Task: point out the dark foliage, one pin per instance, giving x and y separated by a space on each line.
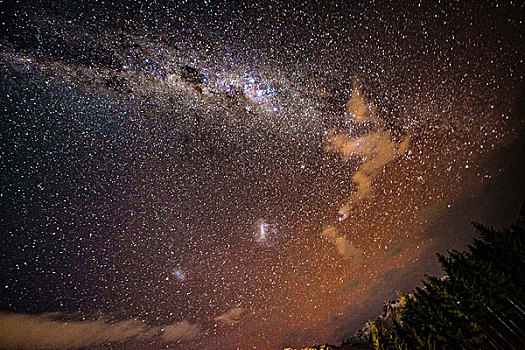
479 304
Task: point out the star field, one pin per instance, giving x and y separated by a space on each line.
241 174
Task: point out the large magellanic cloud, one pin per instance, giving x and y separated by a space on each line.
46 331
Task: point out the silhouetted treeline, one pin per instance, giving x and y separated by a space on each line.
479 304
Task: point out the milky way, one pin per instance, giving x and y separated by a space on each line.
232 175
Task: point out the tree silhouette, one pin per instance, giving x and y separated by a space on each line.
479 304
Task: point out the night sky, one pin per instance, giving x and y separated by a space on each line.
223 174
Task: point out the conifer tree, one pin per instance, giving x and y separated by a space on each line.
479 304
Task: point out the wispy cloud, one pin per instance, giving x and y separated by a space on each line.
348 251
343 247
180 331
232 316
375 149
330 234
46 331
358 107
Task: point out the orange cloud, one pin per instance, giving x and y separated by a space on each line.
45 331
375 149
